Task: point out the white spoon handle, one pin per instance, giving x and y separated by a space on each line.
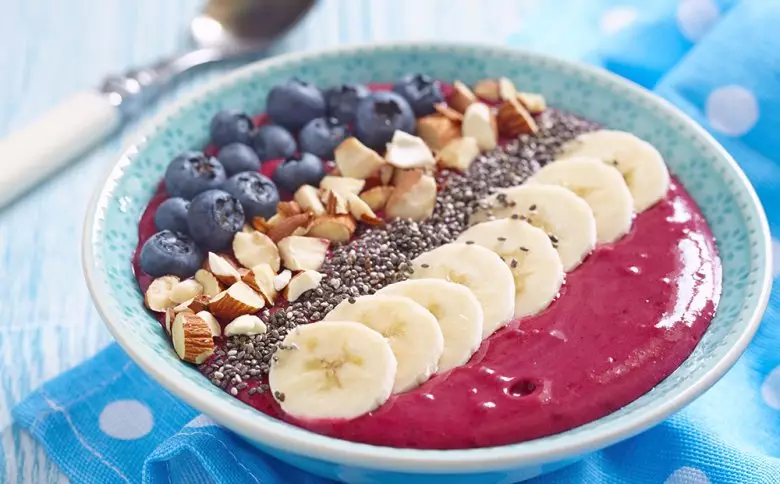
39 149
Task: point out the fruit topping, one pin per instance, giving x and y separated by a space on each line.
169 252
342 101
192 173
342 185
513 119
194 305
261 279
172 215
407 151
308 199
321 136
186 290
362 212
420 91
458 154
299 170
295 103
272 142
414 196
380 115
158 294
238 157
214 217
437 130
222 268
211 321
192 338
231 126
356 160
376 197
461 97
291 225
256 248
336 228
247 324
258 194
282 279
300 253
237 300
480 124
302 282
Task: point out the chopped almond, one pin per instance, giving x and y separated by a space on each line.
336 228
256 248
488 90
356 160
461 97
192 338
335 203
261 279
185 290
238 299
211 285
158 294
288 209
300 253
448 112
437 130
480 124
414 196
459 154
211 321
361 211
506 89
513 119
246 324
282 279
288 226
302 282
386 174
194 305
342 184
223 267
376 197
534 103
407 151
308 198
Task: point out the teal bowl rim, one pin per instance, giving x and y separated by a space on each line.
294 440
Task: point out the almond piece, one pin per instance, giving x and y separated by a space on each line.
342 184
282 279
192 338
260 224
195 305
288 209
211 285
335 203
256 248
224 269
459 154
461 97
488 89
506 89
247 228
406 151
336 228
386 174
514 120
246 324
437 130
533 102
261 279
361 211
301 283
480 124
413 198
448 112
308 199
186 290
356 160
376 197
211 321
238 299
300 253
288 226
158 294
170 315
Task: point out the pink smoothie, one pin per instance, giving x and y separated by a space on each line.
625 319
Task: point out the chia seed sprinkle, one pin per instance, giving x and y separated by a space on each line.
382 255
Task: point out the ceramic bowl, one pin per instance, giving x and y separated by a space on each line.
707 171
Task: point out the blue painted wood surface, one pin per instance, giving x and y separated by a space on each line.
49 49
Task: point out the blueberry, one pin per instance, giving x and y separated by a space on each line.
294 103
231 126
321 136
238 157
379 115
305 169
172 215
258 194
272 142
421 92
342 101
193 172
214 217
172 253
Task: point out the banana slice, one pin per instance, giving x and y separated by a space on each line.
564 216
641 164
599 184
456 309
480 270
535 265
333 370
412 331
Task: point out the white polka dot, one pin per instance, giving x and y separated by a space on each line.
770 389
126 420
696 17
202 421
732 110
616 19
687 475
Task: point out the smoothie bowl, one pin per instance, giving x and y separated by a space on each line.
389 263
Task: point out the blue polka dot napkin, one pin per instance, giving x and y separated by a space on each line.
719 61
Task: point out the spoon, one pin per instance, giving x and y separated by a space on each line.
224 30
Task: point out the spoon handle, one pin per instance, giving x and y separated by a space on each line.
39 149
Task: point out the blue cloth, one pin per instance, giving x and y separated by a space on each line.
718 60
